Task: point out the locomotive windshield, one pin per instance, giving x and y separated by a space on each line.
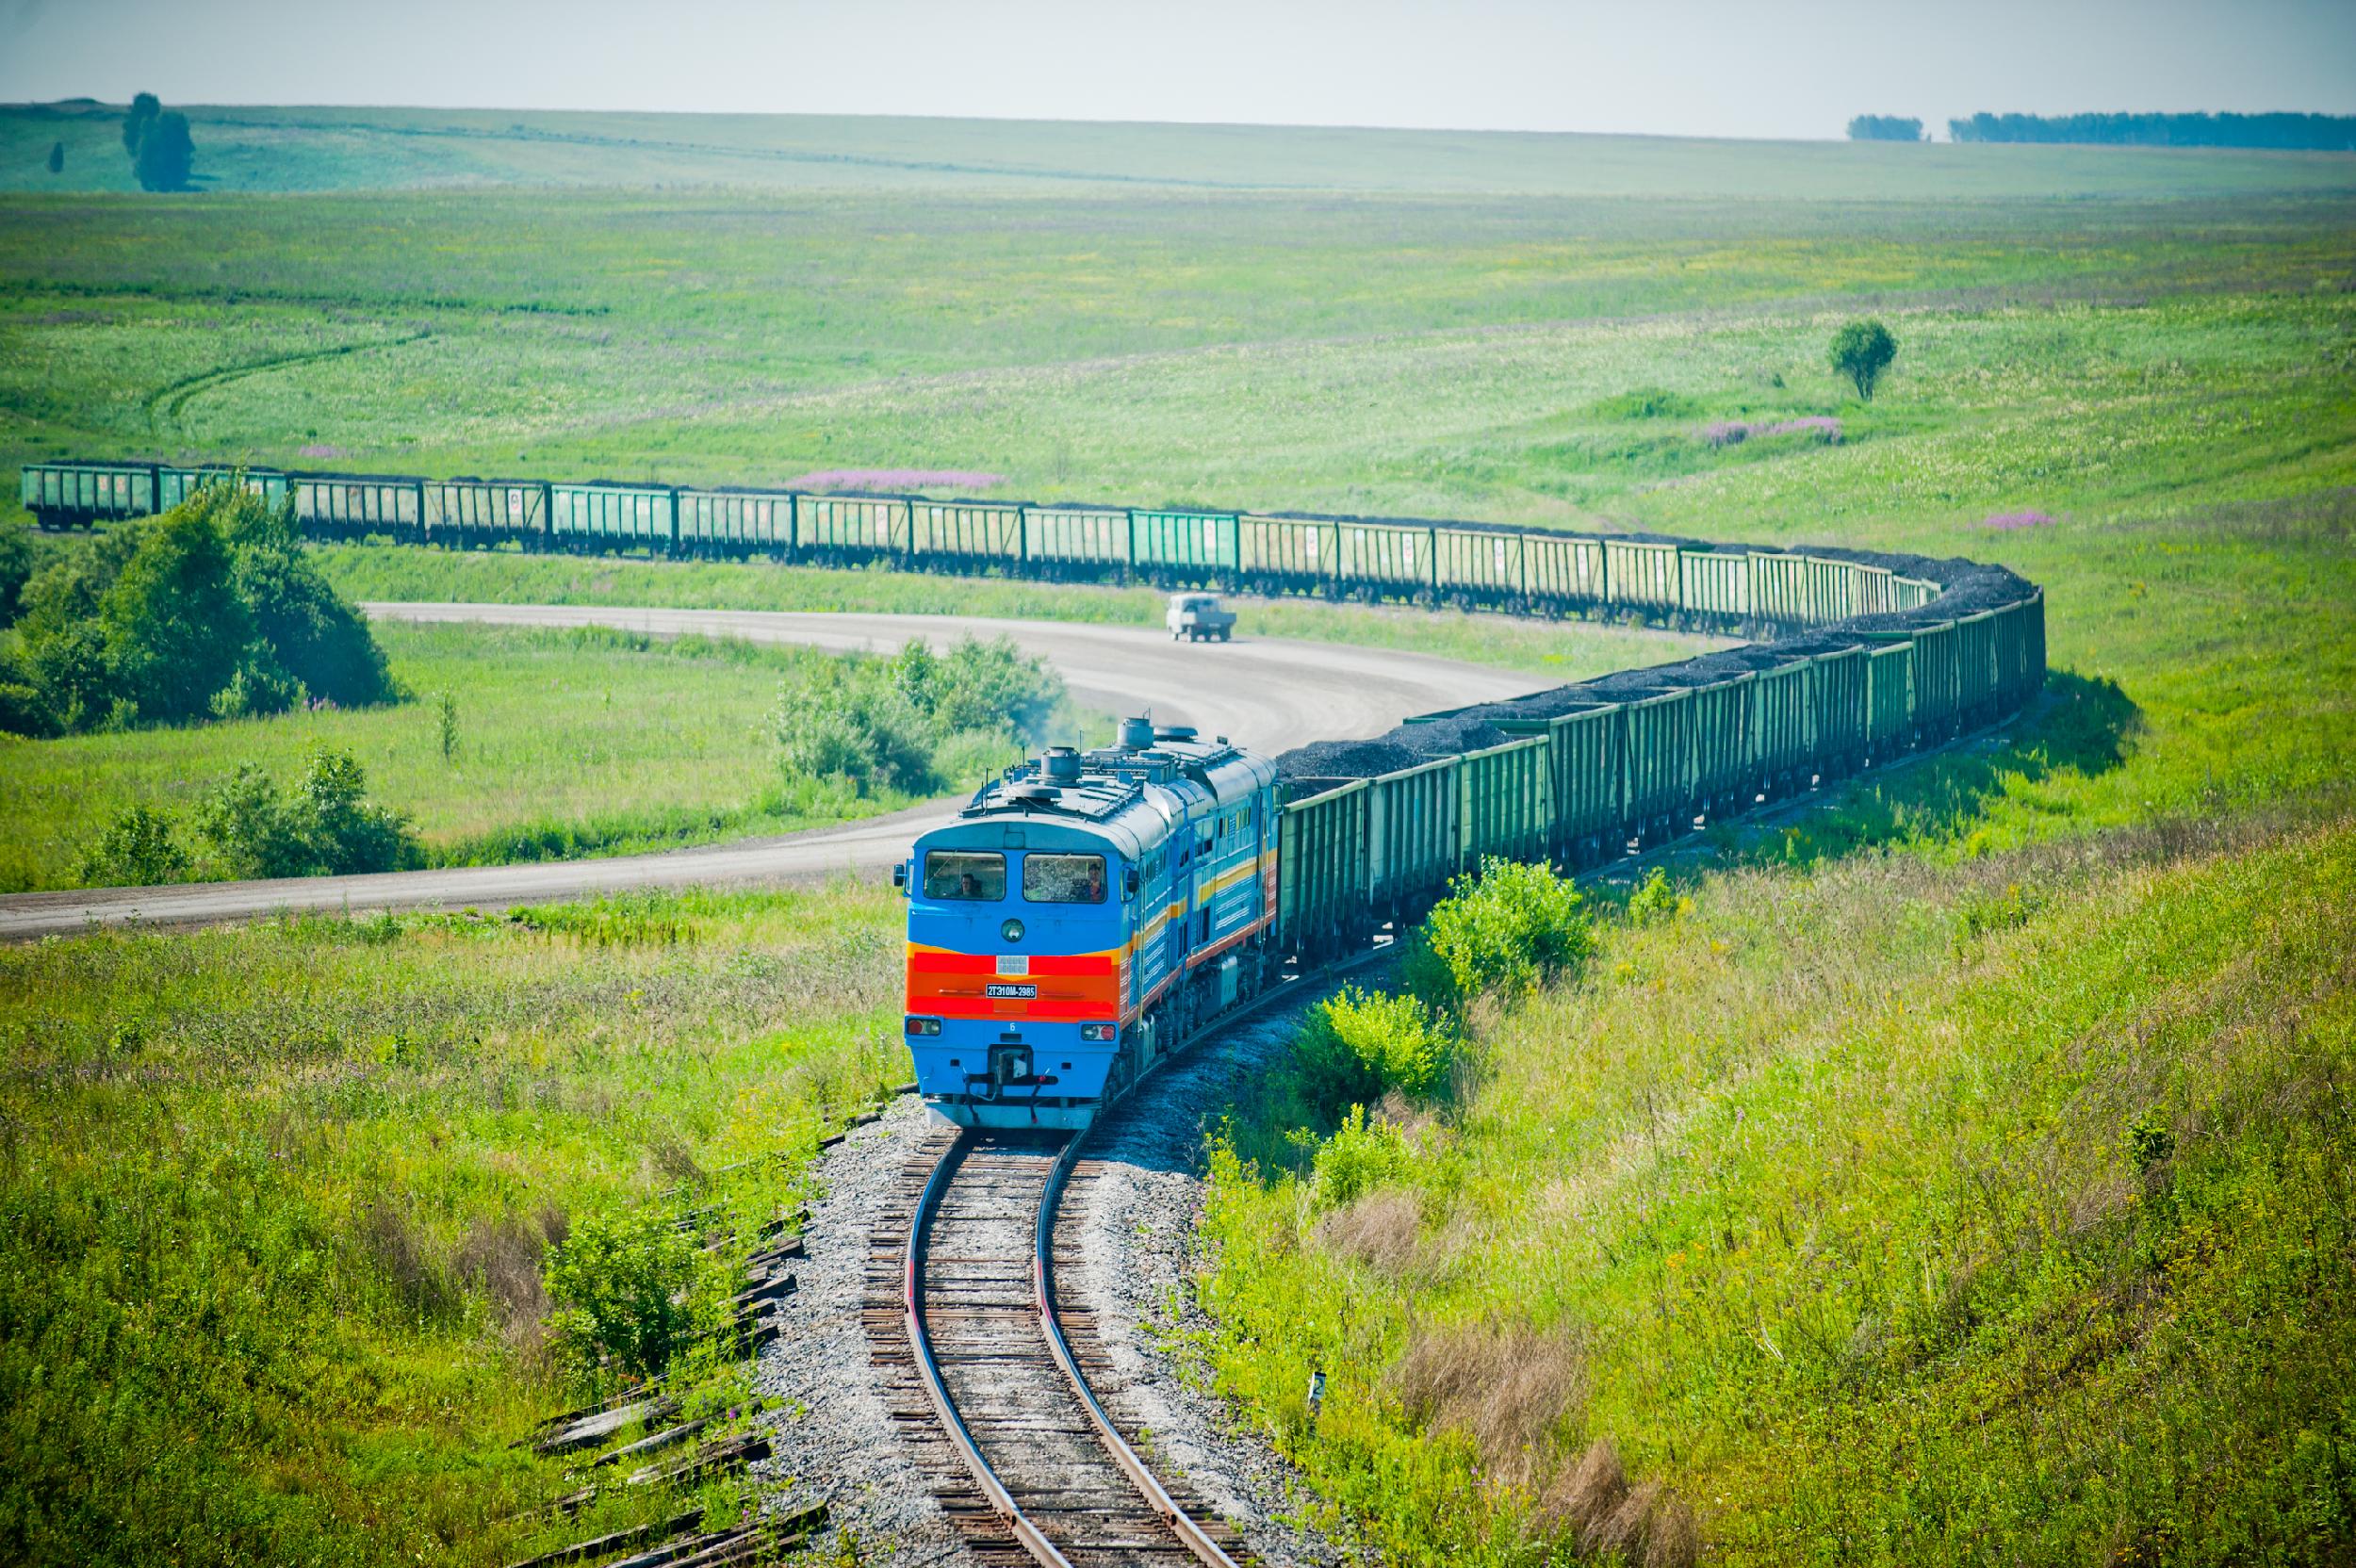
964 873
1063 878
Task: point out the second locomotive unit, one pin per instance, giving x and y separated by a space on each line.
1081 917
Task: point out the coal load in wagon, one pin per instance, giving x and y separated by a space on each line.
1346 760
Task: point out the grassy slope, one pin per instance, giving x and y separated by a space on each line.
276 1194
2163 371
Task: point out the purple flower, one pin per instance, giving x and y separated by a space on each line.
2004 521
322 451
896 479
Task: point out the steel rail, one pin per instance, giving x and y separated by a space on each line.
1050 1326
1026 1533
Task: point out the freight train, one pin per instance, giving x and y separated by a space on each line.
1085 914
1399 560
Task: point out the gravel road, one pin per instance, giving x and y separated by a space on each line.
1270 695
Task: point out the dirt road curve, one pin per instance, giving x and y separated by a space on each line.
1271 695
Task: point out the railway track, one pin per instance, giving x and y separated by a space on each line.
991 1372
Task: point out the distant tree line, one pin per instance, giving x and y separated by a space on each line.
2335 133
1885 127
162 153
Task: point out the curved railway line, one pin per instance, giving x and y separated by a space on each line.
987 1371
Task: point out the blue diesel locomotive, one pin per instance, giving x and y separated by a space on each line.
1081 917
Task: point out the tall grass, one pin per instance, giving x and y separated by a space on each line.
272 1287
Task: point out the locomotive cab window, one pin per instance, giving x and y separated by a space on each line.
963 874
1063 878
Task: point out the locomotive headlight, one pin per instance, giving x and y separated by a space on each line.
1011 930
1098 1031
923 1026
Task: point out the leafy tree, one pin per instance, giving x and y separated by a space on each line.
167 153
144 108
56 157
1885 127
175 627
77 683
16 569
1861 350
317 638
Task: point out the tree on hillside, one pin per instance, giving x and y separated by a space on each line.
56 157
167 153
144 108
1885 127
173 623
1861 350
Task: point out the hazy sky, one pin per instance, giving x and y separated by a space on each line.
1755 68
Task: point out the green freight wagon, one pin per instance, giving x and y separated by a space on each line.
1782 591
1782 740
1383 561
75 495
1976 683
1583 751
2020 651
1838 708
1657 765
966 536
849 530
729 524
1889 698
1287 555
354 506
484 513
1506 803
1642 578
1075 544
1479 568
604 515
1719 728
1911 592
1562 573
1186 549
175 485
1412 828
1869 592
1717 587
1937 698
1323 907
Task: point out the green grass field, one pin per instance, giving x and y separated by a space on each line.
578 742
1826 1194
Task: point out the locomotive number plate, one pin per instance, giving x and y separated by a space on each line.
998 989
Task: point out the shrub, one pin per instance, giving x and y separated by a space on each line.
326 826
632 1290
137 850
317 637
1860 352
1517 925
1360 1045
1361 1156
